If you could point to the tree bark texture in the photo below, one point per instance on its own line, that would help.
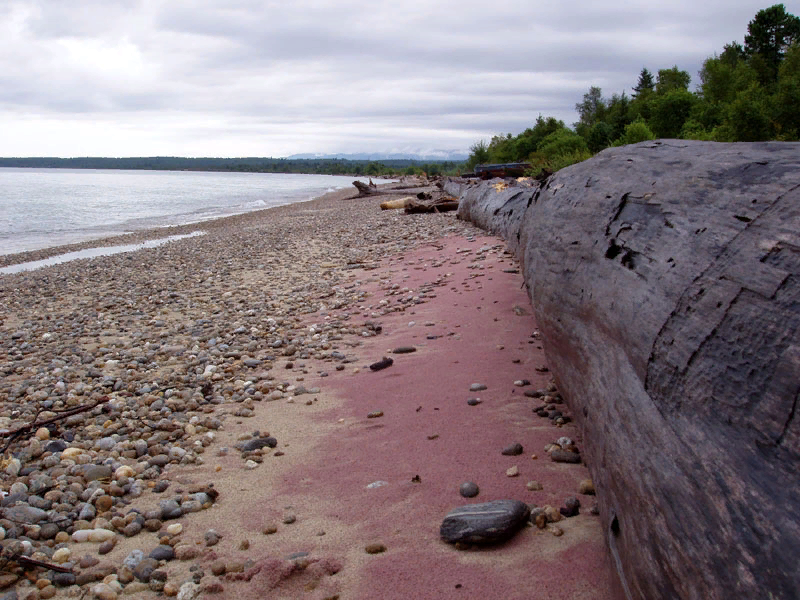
(665, 279)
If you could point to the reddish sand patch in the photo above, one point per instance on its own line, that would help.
(485, 334)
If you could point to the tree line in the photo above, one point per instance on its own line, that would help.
(750, 92)
(321, 166)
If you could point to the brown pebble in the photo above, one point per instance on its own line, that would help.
(270, 529)
(534, 486)
(234, 567)
(213, 587)
(104, 503)
(218, 568)
(47, 592)
(87, 561)
(106, 546)
(244, 545)
(289, 519)
(586, 487)
(541, 521)
(375, 548)
(375, 414)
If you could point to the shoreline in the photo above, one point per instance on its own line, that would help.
(142, 235)
(266, 326)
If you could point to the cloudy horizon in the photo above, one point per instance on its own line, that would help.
(253, 78)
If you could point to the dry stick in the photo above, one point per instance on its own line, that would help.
(13, 435)
(30, 562)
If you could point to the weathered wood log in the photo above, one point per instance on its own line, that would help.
(430, 206)
(396, 203)
(364, 189)
(665, 278)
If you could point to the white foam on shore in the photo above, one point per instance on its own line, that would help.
(93, 253)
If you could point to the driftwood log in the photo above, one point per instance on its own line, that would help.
(365, 189)
(665, 279)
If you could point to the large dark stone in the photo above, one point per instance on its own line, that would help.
(487, 523)
(665, 279)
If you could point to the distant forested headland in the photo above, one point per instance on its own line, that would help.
(747, 93)
(320, 166)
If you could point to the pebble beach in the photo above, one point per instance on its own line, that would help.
(286, 406)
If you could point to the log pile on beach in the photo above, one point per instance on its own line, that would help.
(142, 394)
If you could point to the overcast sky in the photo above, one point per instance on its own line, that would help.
(274, 78)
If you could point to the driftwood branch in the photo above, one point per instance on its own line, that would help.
(35, 424)
(30, 562)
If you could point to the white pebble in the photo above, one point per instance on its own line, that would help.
(174, 529)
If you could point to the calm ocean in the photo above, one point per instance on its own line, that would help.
(41, 208)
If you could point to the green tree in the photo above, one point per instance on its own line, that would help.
(787, 96)
(748, 118)
(600, 136)
(527, 141)
(635, 132)
(645, 83)
(561, 142)
(672, 79)
(591, 109)
(501, 149)
(670, 112)
(769, 36)
(478, 155)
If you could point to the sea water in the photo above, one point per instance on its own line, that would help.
(43, 208)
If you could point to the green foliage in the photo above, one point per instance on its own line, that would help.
(769, 35)
(672, 79)
(787, 96)
(600, 136)
(592, 109)
(501, 149)
(561, 142)
(527, 142)
(748, 118)
(747, 93)
(478, 155)
(645, 83)
(670, 111)
(635, 132)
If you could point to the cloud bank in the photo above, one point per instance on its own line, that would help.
(268, 78)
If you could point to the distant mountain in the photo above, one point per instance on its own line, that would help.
(427, 156)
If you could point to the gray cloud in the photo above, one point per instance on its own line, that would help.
(240, 77)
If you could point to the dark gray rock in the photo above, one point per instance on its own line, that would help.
(469, 489)
(666, 276)
(381, 364)
(22, 513)
(487, 523)
(565, 456)
(162, 552)
(256, 443)
(94, 472)
(514, 449)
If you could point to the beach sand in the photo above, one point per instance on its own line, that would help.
(268, 323)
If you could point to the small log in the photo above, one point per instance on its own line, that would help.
(416, 207)
(397, 203)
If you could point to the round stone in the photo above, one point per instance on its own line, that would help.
(469, 489)
(514, 449)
